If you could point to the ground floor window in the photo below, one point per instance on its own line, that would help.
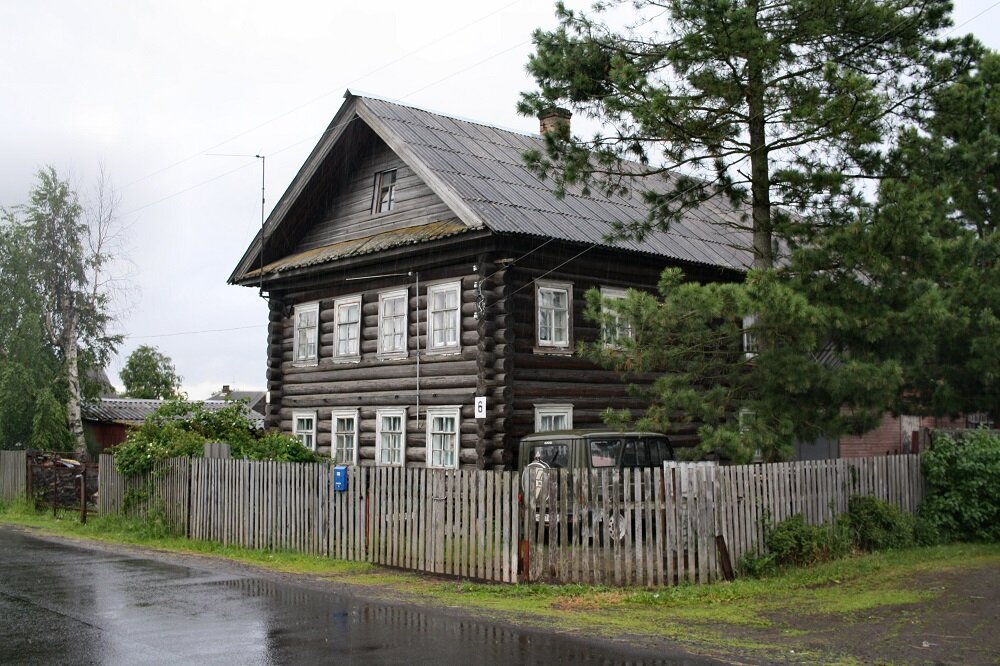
(443, 436)
(390, 436)
(304, 428)
(345, 436)
(553, 417)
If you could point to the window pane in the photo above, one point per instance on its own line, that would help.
(555, 455)
(603, 453)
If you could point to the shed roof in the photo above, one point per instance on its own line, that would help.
(132, 411)
(479, 171)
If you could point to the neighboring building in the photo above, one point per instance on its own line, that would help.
(256, 400)
(107, 422)
(415, 263)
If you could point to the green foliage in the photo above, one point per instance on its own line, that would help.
(148, 374)
(876, 525)
(793, 542)
(181, 429)
(963, 487)
(49, 431)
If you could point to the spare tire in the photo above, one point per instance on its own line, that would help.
(533, 471)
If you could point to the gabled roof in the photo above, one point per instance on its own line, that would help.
(132, 411)
(479, 172)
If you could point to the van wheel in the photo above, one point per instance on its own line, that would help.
(615, 526)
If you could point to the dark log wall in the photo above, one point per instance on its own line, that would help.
(349, 215)
(445, 378)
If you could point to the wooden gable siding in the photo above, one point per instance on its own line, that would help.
(445, 378)
(349, 214)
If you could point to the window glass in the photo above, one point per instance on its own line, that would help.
(348, 327)
(553, 316)
(604, 452)
(662, 446)
(615, 328)
(306, 320)
(628, 454)
(555, 455)
(443, 435)
(391, 439)
(392, 323)
(552, 422)
(443, 315)
(304, 429)
(344, 439)
(385, 191)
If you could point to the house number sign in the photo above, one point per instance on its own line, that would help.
(481, 407)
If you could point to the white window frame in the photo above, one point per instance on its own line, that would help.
(382, 298)
(338, 305)
(399, 412)
(454, 412)
(567, 288)
(749, 338)
(432, 290)
(377, 207)
(335, 448)
(303, 309)
(553, 410)
(622, 328)
(307, 437)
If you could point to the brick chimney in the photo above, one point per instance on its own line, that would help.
(226, 390)
(551, 118)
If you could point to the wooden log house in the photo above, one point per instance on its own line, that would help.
(415, 263)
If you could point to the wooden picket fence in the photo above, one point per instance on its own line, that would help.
(163, 493)
(458, 522)
(13, 474)
(672, 525)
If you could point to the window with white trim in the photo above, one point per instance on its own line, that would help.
(345, 436)
(384, 196)
(306, 317)
(443, 436)
(749, 336)
(553, 417)
(392, 310)
(443, 320)
(390, 436)
(553, 302)
(616, 328)
(347, 328)
(304, 428)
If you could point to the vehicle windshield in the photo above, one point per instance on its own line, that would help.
(604, 452)
(554, 455)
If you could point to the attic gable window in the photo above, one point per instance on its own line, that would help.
(385, 191)
(306, 329)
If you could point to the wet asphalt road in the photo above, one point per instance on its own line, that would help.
(67, 604)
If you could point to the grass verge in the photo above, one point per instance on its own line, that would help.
(748, 617)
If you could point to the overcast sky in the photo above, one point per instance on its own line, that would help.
(151, 90)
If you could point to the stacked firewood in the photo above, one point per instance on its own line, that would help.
(54, 480)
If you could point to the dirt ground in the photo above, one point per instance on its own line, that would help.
(961, 625)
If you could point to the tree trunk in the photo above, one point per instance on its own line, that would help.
(73, 415)
(760, 177)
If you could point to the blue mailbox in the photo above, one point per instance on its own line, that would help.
(340, 478)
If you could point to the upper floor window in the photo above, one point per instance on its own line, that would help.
(385, 191)
(553, 417)
(304, 428)
(347, 328)
(443, 436)
(392, 307)
(553, 302)
(616, 328)
(443, 315)
(750, 347)
(306, 333)
(390, 436)
(345, 436)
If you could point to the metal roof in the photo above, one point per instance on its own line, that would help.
(484, 166)
(479, 172)
(131, 411)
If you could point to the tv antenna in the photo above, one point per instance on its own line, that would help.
(263, 162)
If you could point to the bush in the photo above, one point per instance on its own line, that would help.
(877, 525)
(793, 542)
(963, 487)
(756, 565)
(181, 429)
